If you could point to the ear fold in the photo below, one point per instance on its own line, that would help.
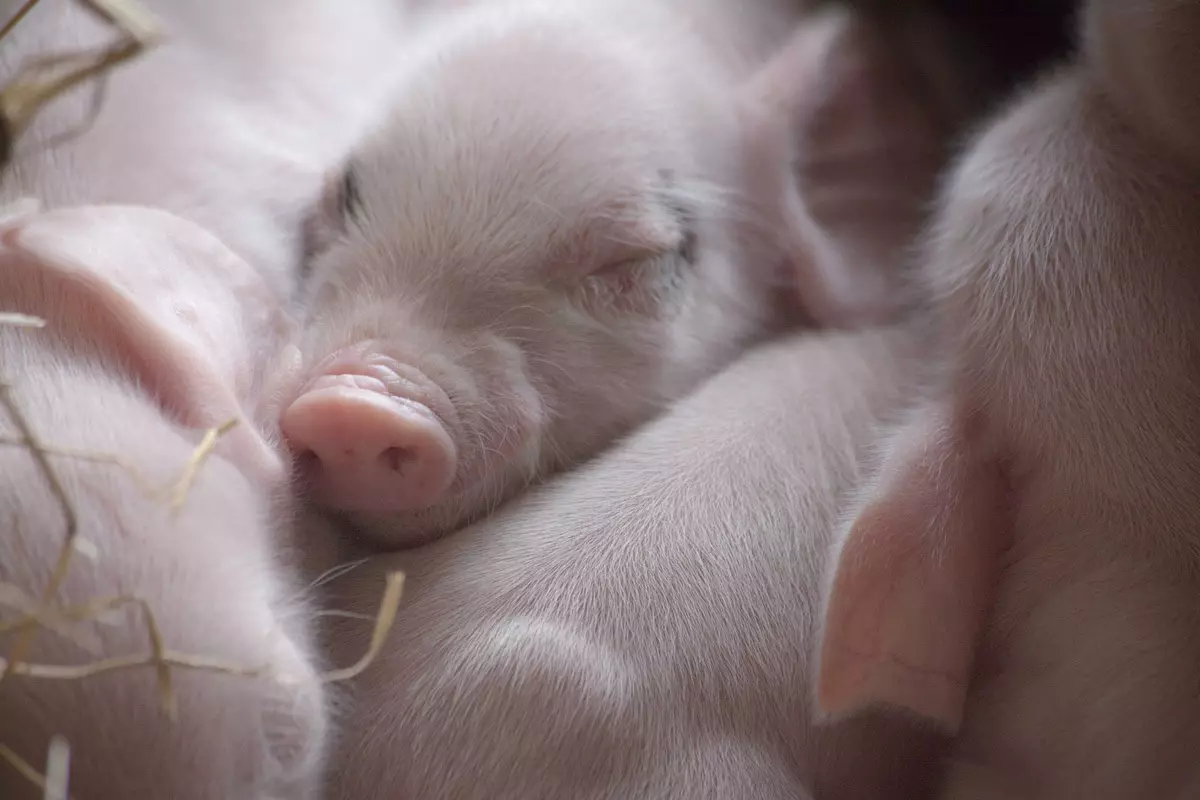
(846, 136)
(913, 578)
(160, 294)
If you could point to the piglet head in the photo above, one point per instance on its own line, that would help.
(536, 251)
(559, 229)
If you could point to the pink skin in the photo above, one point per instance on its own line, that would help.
(152, 328)
(637, 627)
(231, 122)
(616, 216)
(157, 332)
(1041, 505)
(343, 419)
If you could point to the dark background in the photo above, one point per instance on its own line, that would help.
(1017, 36)
(1014, 39)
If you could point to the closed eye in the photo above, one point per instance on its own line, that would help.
(651, 281)
(645, 285)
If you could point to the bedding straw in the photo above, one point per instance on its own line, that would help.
(43, 614)
(46, 77)
(36, 84)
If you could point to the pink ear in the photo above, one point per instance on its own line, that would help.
(845, 145)
(913, 579)
(164, 297)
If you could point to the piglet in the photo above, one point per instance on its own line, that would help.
(151, 328)
(1025, 567)
(640, 627)
(575, 212)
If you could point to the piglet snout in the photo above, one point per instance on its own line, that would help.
(364, 446)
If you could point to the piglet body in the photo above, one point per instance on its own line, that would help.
(1024, 567)
(623, 205)
(141, 353)
(637, 628)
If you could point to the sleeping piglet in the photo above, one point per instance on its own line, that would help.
(574, 213)
(151, 326)
(639, 627)
(1025, 567)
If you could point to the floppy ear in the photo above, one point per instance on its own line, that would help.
(157, 295)
(845, 137)
(913, 577)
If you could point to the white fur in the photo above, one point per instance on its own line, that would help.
(1064, 266)
(573, 212)
(230, 122)
(639, 627)
(134, 362)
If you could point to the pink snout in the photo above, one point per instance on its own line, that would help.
(364, 449)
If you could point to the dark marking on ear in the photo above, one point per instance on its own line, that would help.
(339, 203)
(684, 213)
(6, 141)
(688, 248)
(349, 195)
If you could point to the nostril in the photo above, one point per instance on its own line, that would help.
(357, 449)
(398, 459)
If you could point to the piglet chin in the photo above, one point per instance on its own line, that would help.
(362, 448)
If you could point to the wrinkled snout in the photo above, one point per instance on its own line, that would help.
(367, 442)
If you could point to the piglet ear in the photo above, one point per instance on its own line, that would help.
(846, 131)
(158, 295)
(913, 578)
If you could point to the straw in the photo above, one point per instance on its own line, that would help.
(46, 77)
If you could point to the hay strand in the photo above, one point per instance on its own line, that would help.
(389, 605)
(35, 84)
(58, 770)
(54, 784)
(27, 632)
(26, 770)
(16, 19)
(97, 458)
(21, 320)
(41, 614)
(197, 460)
(53, 620)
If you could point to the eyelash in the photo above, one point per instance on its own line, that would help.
(626, 287)
(350, 199)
